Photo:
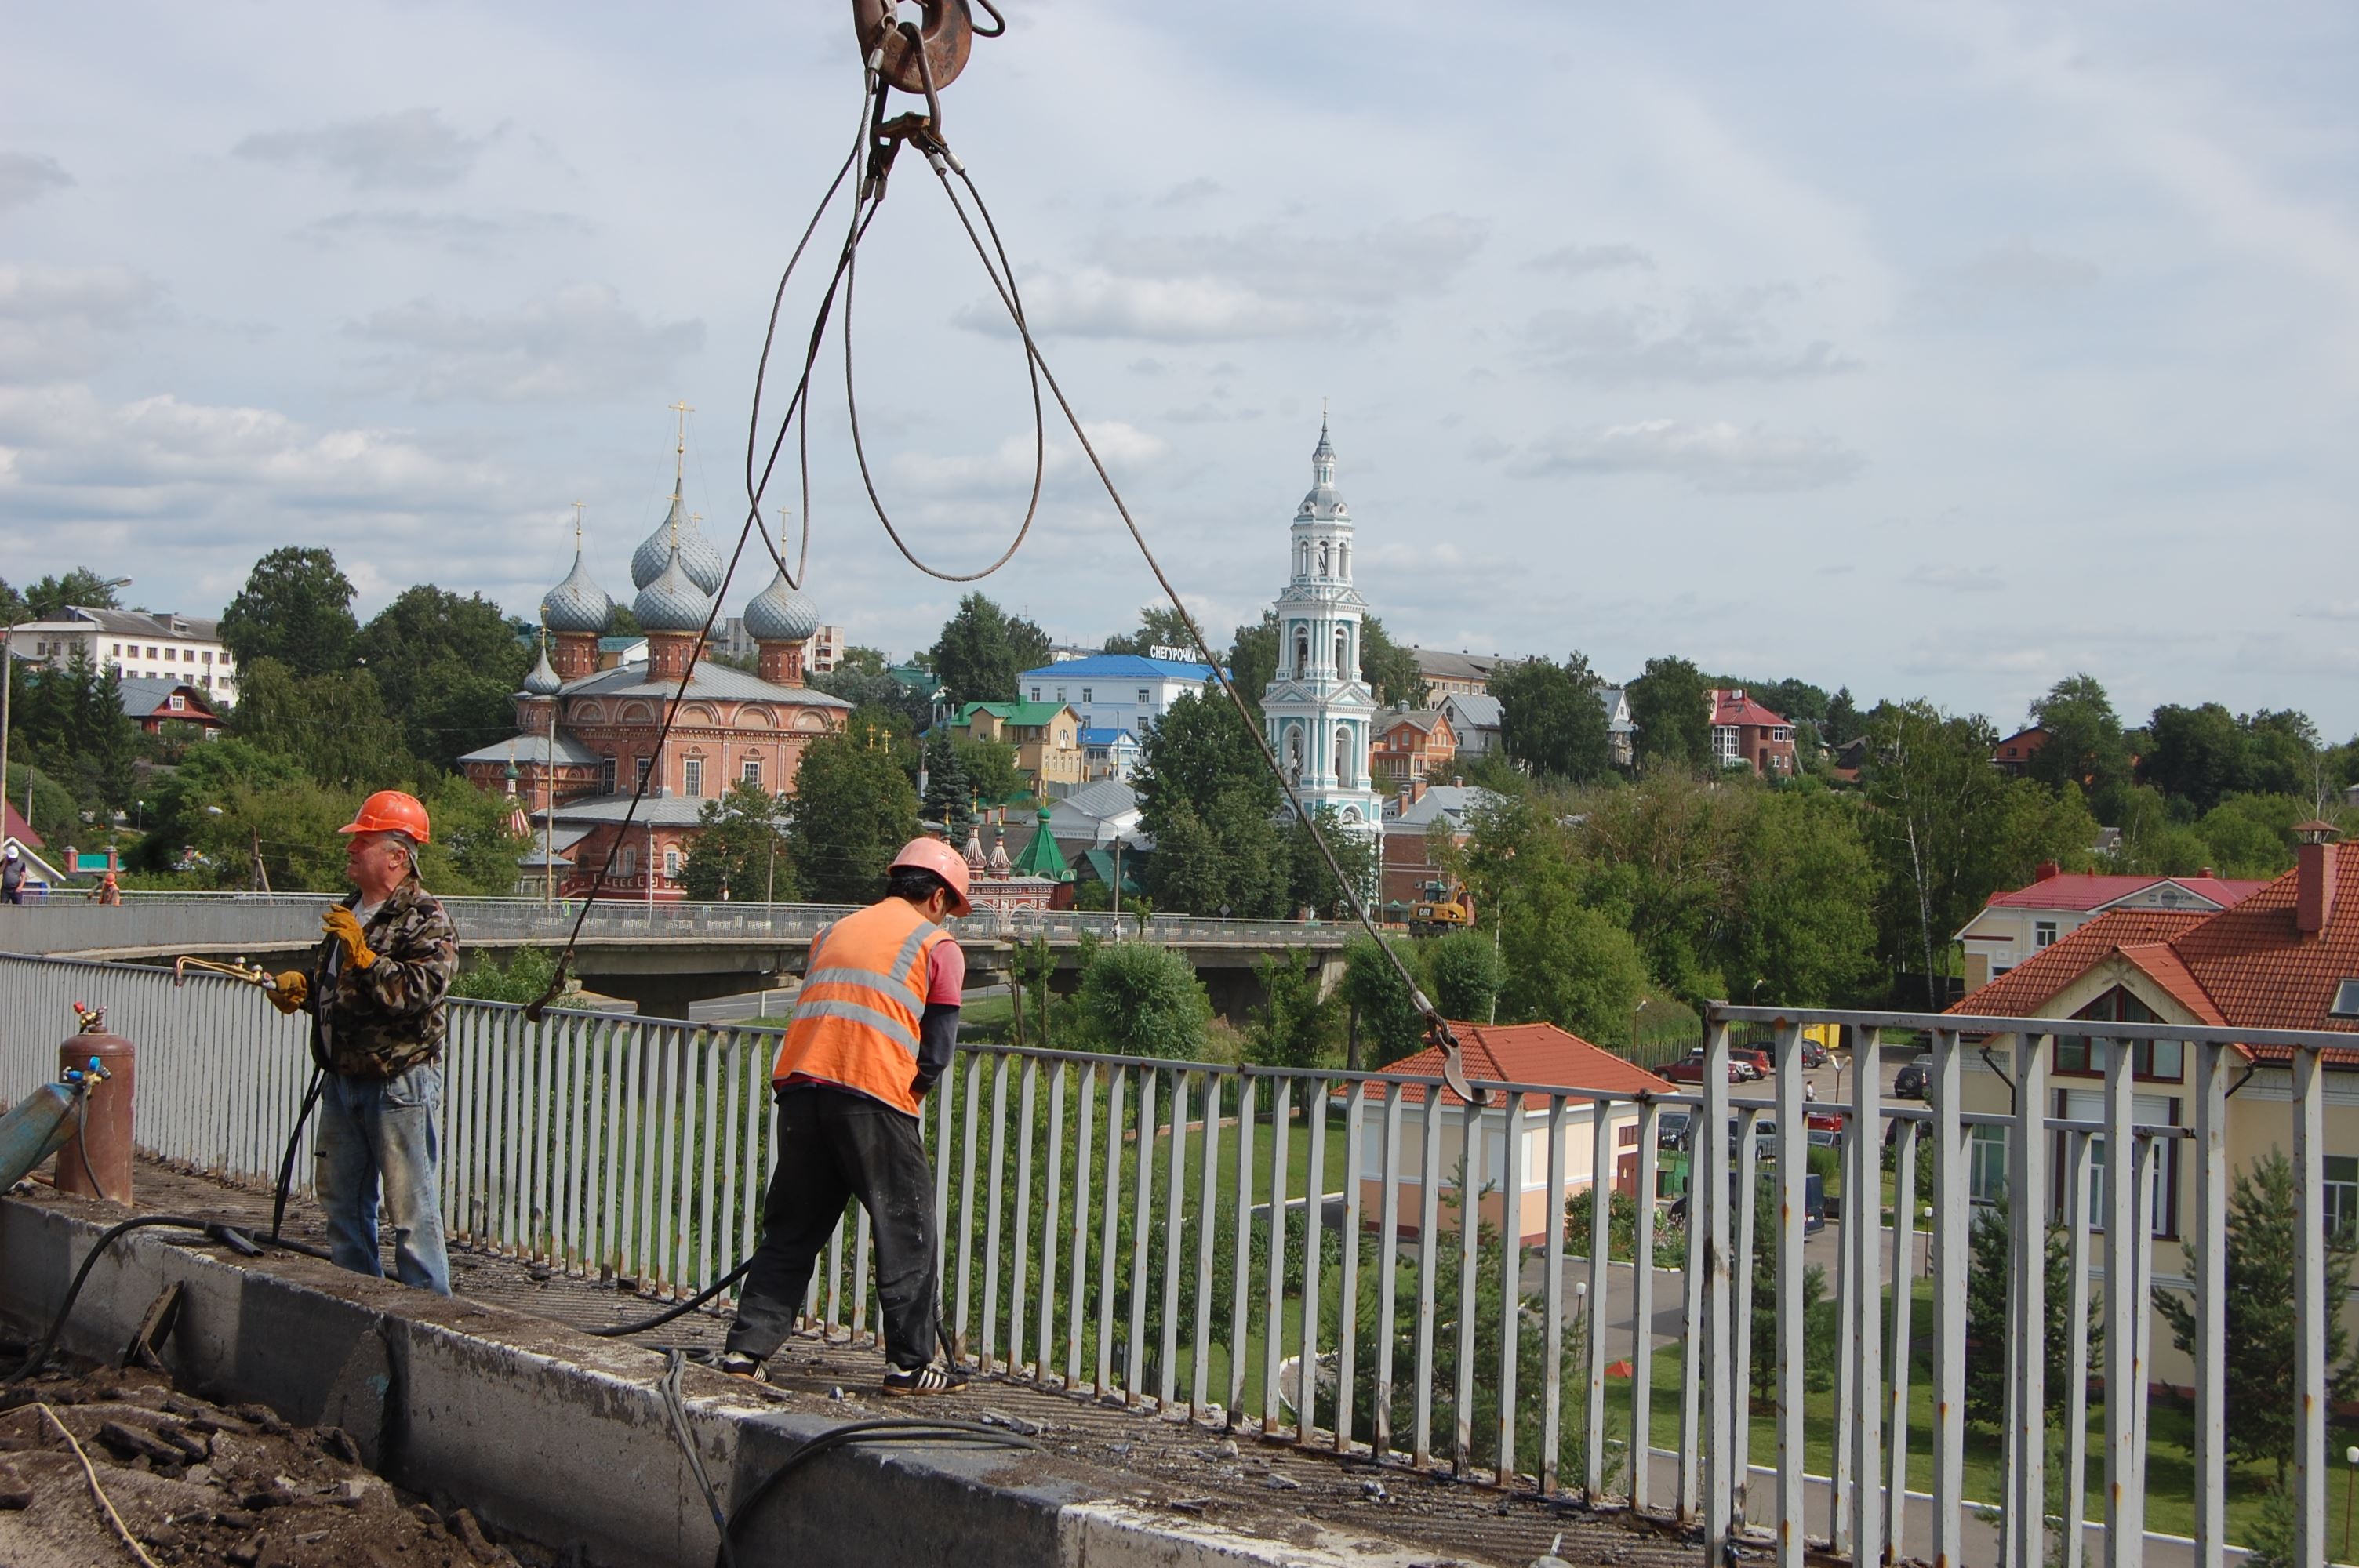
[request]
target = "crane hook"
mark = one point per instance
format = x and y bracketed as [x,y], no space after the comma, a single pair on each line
[946,33]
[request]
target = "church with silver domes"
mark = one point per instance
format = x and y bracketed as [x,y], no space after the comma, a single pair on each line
[588,730]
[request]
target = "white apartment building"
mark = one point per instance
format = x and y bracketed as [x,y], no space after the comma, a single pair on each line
[134,643]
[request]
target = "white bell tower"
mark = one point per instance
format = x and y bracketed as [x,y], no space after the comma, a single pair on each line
[1319,712]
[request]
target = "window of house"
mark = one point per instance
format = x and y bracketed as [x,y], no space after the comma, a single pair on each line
[1986,1164]
[1060,694]
[117,649]
[169,653]
[2343,1199]
[640,771]
[1085,693]
[671,865]
[626,862]
[1036,694]
[209,655]
[179,703]
[151,652]
[1725,745]
[750,771]
[605,775]
[2043,932]
[692,778]
[1142,697]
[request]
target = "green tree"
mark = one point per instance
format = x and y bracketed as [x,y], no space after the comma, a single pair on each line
[1389,669]
[449,666]
[1990,1284]
[1252,658]
[50,598]
[854,808]
[296,608]
[2252,835]
[334,726]
[1464,974]
[1842,721]
[2262,1404]
[1819,1311]
[1159,626]
[2085,748]
[1671,705]
[1199,753]
[474,847]
[991,771]
[1659,859]
[742,850]
[950,794]
[1293,1027]
[1383,1015]
[1309,882]
[1137,998]
[1806,887]
[522,979]
[1565,963]
[1551,719]
[982,649]
[1227,859]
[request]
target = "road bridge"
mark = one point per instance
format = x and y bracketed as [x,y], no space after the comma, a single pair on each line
[662,955]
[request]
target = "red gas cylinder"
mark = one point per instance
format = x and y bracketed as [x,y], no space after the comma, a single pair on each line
[101,1146]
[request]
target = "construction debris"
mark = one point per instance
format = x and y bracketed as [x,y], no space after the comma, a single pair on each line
[194,1483]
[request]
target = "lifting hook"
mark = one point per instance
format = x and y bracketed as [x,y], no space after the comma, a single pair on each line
[945,34]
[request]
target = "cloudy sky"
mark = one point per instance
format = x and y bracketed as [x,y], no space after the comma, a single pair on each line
[1937,350]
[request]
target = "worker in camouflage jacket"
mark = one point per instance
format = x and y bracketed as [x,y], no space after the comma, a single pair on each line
[374,994]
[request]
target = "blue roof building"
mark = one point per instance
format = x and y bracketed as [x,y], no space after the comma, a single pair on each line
[1115,691]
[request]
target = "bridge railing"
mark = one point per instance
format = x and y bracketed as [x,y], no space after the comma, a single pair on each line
[226,922]
[1286,1251]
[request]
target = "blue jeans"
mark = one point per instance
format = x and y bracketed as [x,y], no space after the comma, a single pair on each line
[374,1131]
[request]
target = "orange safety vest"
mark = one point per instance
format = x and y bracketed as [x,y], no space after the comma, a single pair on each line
[855,1019]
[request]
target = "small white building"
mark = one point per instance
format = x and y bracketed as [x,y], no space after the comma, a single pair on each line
[1475,719]
[1110,754]
[134,643]
[1114,691]
[1536,1054]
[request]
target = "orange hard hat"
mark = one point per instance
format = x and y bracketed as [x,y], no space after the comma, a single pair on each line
[934,855]
[390,811]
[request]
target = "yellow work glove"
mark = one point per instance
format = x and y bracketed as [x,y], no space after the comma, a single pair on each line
[345,928]
[290,991]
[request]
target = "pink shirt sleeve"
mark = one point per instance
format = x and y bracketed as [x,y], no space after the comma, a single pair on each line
[945,974]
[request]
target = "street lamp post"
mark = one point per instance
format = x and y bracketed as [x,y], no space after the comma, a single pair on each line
[1633,1027]
[8,687]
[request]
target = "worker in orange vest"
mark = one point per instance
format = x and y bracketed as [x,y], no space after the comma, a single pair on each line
[874,1026]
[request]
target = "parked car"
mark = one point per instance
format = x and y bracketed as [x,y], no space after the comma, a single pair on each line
[1813,1053]
[1825,1137]
[1753,1058]
[1823,1121]
[1916,1079]
[1671,1130]
[1814,1205]
[1689,1069]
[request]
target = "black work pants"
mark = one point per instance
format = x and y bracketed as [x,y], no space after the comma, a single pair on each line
[834,1145]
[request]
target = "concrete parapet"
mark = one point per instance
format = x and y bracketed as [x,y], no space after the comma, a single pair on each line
[563,1437]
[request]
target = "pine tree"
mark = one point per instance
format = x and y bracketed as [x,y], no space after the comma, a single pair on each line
[1989,1282]
[949,794]
[2262,1401]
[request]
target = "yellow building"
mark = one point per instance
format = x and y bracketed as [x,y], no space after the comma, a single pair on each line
[2277,959]
[1047,737]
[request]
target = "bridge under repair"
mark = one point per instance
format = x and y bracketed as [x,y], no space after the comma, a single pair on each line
[663,956]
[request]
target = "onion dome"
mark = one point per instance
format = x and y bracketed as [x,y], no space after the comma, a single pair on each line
[697,557]
[577,604]
[672,602]
[779,613]
[542,681]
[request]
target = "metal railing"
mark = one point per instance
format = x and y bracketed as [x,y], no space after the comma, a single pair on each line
[1263,1249]
[226,922]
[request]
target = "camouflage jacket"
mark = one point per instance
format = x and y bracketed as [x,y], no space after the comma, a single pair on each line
[386,1019]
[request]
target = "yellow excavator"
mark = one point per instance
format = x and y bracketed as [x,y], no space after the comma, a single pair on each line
[1443,907]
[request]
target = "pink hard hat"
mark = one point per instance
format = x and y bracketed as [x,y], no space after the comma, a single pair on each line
[934,855]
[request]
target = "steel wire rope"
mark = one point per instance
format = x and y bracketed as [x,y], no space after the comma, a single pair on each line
[90,1474]
[851,400]
[942,161]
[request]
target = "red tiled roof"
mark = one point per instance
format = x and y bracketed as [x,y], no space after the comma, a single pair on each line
[2081,889]
[1729,707]
[16,828]
[2024,989]
[1530,1053]
[2247,966]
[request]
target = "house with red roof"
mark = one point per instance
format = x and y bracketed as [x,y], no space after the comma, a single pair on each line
[2280,957]
[1744,731]
[13,829]
[1540,1056]
[2018,924]
[2013,755]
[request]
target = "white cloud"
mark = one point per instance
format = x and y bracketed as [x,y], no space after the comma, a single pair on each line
[413,149]
[1578,259]
[461,232]
[54,321]
[1007,468]
[1264,282]
[25,176]
[1716,338]
[1957,578]
[578,343]
[1721,456]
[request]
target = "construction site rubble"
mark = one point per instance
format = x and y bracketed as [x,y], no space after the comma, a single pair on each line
[191,1482]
